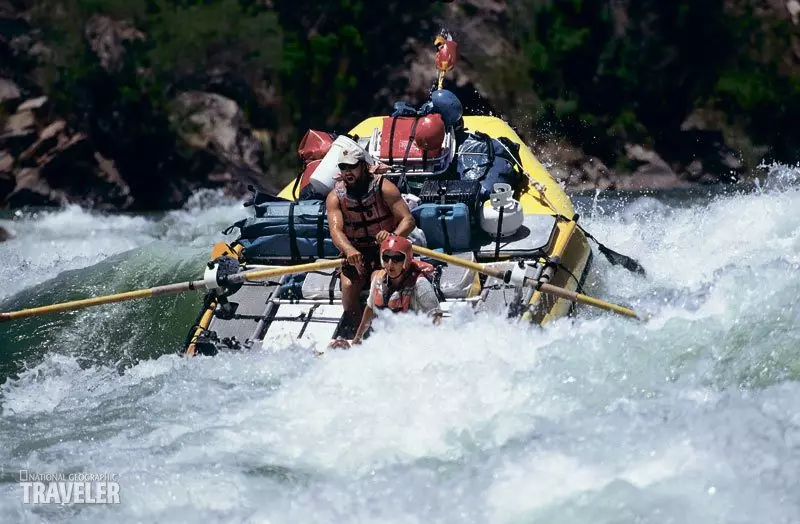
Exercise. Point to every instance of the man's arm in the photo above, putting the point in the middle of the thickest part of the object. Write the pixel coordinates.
(336, 226)
(400, 211)
(369, 310)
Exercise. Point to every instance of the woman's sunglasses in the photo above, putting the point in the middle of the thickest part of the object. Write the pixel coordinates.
(347, 167)
(394, 258)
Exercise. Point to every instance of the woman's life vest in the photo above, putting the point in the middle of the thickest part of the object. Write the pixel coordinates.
(399, 299)
(366, 216)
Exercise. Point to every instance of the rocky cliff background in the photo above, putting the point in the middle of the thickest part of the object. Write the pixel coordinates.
(135, 104)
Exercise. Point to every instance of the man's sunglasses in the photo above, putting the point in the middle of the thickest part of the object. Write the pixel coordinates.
(347, 167)
(394, 258)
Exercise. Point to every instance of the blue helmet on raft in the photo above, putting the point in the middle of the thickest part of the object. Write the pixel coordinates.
(448, 105)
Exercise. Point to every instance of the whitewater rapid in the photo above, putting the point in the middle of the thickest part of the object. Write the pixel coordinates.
(690, 417)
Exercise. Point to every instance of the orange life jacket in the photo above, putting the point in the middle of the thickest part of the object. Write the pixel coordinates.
(399, 299)
(364, 217)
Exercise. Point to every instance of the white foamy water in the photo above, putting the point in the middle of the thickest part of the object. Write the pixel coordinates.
(690, 417)
(46, 243)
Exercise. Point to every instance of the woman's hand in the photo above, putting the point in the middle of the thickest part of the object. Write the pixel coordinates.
(339, 343)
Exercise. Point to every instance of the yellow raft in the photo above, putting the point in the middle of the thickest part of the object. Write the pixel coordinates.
(253, 314)
(568, 247)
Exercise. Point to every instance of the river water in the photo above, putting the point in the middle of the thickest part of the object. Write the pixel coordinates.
(690, 417)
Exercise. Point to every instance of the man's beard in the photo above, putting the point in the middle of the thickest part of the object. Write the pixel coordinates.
(359, 185)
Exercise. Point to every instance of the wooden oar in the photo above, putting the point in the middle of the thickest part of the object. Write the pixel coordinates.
(170, 289)
(541, 286)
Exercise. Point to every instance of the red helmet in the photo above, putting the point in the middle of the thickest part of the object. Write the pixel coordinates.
(430, 132)
(400, 245)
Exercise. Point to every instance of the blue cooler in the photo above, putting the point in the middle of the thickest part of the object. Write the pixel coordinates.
(287, 230)
(446, 226)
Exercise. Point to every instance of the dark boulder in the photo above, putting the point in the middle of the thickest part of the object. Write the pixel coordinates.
(107, 38)
(4, 234)
(211, 123)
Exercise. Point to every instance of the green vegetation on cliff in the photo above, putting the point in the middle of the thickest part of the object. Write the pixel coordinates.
(116, 65)
(600, 74)
(606, 73)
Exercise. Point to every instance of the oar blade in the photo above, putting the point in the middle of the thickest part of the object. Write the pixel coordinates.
(618, 259)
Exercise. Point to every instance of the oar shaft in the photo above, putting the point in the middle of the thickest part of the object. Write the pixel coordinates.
(468, 264)
(258, 274)
(541, 286)
(169, 289)
(583, 299)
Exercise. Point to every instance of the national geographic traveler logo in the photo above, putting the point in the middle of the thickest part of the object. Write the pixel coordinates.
(72, 488)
